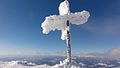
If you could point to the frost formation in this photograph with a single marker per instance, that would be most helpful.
(58, 22)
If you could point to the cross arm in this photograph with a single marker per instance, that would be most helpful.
(59, 21)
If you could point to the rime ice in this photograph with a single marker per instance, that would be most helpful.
(59, 21)
(64, 8)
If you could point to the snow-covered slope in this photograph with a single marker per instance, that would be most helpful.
(25, 64)
(50, 62)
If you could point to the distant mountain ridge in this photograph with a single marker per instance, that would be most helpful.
(115, 52)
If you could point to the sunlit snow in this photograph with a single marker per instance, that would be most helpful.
(58, 22)
(25, 64)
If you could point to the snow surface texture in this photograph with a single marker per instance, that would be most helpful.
(64, 8)
(58, 22)
(103, 63)
(25, 64)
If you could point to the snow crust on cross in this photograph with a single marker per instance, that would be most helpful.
(58, 22)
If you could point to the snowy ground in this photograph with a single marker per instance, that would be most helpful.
(25, 64)
(54, 62)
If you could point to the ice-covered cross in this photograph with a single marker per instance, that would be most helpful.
(58, 22)
(62, 21)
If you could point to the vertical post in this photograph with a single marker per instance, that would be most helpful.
(68, 44)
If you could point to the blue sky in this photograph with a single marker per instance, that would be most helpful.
(20, 26)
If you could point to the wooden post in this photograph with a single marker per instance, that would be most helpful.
(68, 44)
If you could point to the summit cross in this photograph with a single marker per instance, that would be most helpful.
(62, 22)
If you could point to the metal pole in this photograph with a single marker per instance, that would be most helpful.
(68, 44)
